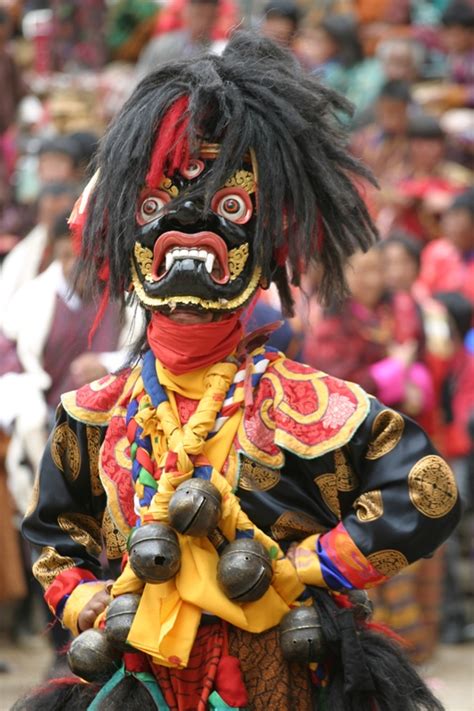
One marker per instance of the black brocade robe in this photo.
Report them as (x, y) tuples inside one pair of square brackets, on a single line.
[(315, 461)]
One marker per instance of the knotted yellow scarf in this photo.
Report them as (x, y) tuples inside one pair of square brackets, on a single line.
[(168, 616)]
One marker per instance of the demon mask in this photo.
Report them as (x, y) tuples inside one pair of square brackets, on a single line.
[(187, 254)]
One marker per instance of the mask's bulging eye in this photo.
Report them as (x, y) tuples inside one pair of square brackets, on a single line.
[(234, 204), (150, 207), (193, 169)]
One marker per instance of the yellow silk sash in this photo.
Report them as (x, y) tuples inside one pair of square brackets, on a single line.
[(168, 616)]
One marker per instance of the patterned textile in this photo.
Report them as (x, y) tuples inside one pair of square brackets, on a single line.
[(189, 689), (271, 682)]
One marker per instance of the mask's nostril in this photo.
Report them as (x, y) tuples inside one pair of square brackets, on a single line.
[(187, 213)]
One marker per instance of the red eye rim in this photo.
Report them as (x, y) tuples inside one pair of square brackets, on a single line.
[(233, 192), (190, 174), (160, 195)]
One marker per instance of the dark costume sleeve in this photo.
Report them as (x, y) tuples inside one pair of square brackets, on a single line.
[(397, 500), (65, 514)]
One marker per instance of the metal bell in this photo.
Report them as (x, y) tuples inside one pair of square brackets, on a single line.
[(301, 636), (195, 507), (363, 605), (154, 553), (92, 656), (119, 618), (245, 570)]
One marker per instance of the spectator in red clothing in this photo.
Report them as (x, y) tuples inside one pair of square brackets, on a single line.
[(430, 183), (374, 339), (402, 259), (447, 264), (458, 385), (458, 448)]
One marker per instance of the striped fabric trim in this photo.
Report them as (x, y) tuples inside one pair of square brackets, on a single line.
[(235, 394)]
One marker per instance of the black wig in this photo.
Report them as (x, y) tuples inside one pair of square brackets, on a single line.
[(255, 96)]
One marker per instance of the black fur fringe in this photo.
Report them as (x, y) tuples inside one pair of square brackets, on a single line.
[(369, 672), (75, 695)]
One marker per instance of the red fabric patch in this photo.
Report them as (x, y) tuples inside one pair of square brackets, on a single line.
[(65, 583), (185, 689), (135, 662), (119, 475), (89, 397), (171, 461), (186, 407), (295, 398), (229, 682)]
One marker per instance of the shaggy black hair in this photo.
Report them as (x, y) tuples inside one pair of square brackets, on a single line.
[(75, 695), (368, 672), (253, 96)]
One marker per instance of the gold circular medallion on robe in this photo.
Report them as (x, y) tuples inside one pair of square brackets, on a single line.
[(388, 562), (65, 450), (369, 506), (256, 477), (83, 529), (387, 431), (295, 526), (326, 484), (432, 487)]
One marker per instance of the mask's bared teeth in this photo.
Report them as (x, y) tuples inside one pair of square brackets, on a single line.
[(169, 261), (210, 263)]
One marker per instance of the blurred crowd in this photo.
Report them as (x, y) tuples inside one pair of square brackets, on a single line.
[(405, 331)]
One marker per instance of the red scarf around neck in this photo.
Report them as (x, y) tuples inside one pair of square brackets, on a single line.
[(185, 347)]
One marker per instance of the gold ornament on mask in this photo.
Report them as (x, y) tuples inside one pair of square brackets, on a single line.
[(237, 259), (217, 305), (144, 257), (242, 179), (209, 150), (168, 186)]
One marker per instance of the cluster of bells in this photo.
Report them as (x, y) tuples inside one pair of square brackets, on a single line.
[(244, 573)]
